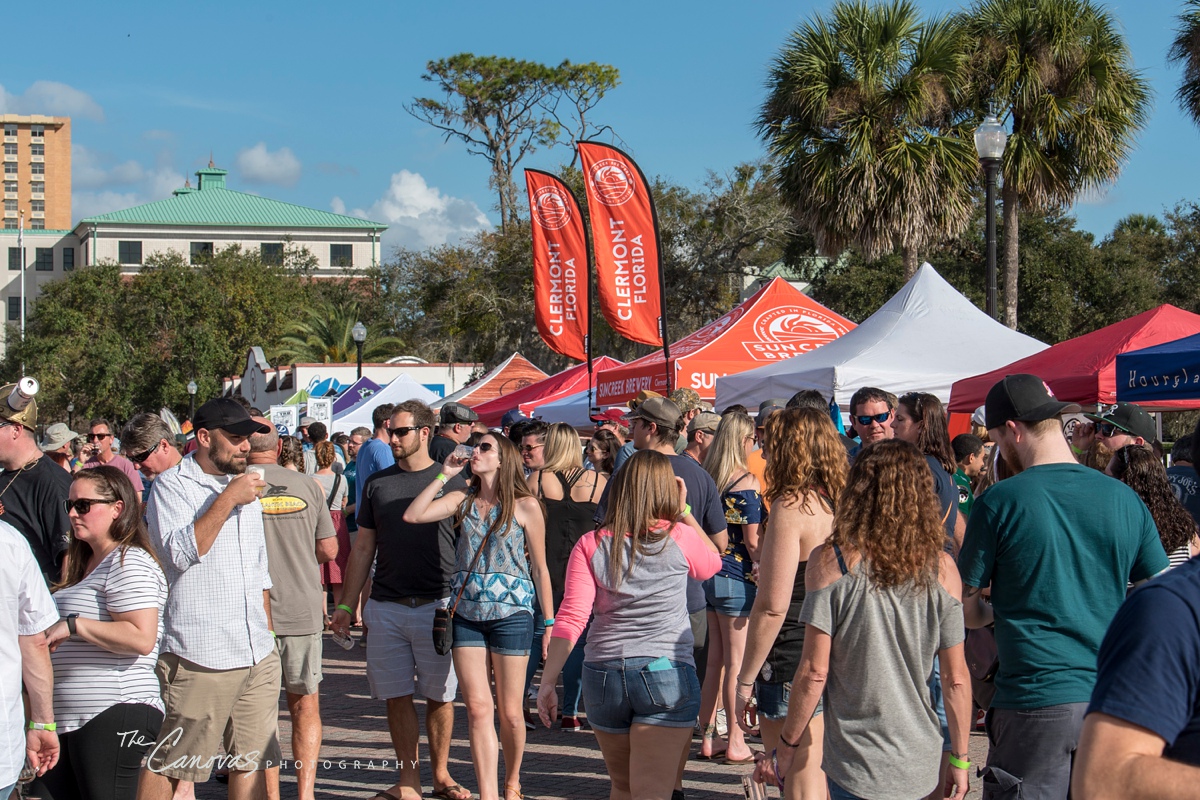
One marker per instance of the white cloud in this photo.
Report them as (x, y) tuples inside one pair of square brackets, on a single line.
[(259, 165), (51, 98), (419, 215), (102, 184)]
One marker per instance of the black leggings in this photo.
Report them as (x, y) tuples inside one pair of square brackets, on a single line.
[(101, 760)]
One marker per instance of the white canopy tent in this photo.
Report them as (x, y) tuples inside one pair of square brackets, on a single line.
[(572, 409), (922, 340), (400, 389)]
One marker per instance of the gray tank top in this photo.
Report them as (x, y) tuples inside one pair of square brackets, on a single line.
[(882, 737)]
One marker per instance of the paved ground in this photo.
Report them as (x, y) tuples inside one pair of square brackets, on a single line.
[(357, 757)]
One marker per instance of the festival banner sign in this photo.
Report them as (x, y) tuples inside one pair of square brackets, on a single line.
[(625, 240), (560, 265)]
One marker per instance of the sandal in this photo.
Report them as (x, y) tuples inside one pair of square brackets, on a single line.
[(710, 733), (452, 792), (513, 790)]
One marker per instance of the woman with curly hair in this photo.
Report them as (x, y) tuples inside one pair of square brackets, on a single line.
[(881, 601), (1140, 470), (806, 473), (291, 453)]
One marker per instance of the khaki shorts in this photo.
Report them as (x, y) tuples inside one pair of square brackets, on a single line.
[(208, 707), (301, 659)]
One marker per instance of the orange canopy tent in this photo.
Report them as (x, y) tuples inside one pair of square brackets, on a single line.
[(561, 384), (513, 373), (777, 322)]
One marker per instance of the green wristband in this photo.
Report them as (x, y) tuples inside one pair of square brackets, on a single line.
[(346, 608), (441, 476), (43, 726), (687, 509), (958, 763)]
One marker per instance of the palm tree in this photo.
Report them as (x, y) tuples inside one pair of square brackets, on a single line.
[(1063, 73), (1186, 49), (870, 147), (324, 337)]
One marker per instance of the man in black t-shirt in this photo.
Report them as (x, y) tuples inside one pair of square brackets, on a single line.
[(33, 489), (454, 428), (413, 567), (1182, 475)]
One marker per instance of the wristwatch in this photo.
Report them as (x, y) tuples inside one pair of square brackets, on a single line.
[(71, 624)]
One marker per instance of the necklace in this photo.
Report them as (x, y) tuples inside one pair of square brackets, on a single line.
[(18, 474)]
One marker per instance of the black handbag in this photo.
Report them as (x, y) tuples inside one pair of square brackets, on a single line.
[(443, 618)]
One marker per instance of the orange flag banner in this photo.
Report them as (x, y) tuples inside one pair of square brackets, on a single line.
[(560, 265), (625, 240)]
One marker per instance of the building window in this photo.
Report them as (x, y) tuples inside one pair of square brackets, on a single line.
[(37, 187), (44, 259), (10, 205), (10, 130), (10, 168), (10, 148), (14, 309), (38, 168), (37, 149), (14, 259), (68, 257), (128, 252), (37, 205), (341, 255), (10, 187), (37, 224), (37, 131), (201, 251), (271, 252)]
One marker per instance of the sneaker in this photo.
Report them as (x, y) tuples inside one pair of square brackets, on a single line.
[(722, 725), (678, 795), (574, 725)]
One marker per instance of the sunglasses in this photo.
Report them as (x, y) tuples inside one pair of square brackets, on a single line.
[(140, 458), (880, 418), (485, 447), (529, 448), (84, 504), (92, 437), (1107, 429), (405, 430)]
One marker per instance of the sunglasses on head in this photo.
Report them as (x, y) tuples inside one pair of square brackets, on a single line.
[(92, 437), (404, 430), (84, 504), (880, 418), (140, 458)]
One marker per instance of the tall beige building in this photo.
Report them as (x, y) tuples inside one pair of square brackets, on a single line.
[(37, 171)]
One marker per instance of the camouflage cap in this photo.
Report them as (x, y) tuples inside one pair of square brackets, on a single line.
[(688, 400)]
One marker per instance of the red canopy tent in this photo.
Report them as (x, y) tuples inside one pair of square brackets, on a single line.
[(1083, 370), (570, 381), (777, 322)]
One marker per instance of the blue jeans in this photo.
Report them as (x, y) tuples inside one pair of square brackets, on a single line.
[(572, 676), (506, 637), (621, 692), (535, 646), (838, 793), (5, 791)]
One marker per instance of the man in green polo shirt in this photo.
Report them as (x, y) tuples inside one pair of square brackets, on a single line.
[(1057, 543), (970, 454)]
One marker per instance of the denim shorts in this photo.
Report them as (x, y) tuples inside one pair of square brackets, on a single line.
[(621, 692), (509, 636), (729, 597), (772, 700)]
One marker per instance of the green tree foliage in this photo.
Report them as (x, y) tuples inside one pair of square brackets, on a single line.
[(1185, 50), (504, 109), (325, 336), (1062, 71), (873, 151)]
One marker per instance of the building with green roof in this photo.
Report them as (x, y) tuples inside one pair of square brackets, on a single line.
[(209, 217)]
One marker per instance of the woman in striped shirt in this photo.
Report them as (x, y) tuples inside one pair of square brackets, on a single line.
[(106, 694)]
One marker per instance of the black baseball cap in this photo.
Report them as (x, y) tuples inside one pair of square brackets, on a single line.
[(1022, 398), (227, 415), (1130, 418)]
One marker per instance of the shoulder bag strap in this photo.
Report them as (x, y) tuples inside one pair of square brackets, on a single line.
[(337, 481), (471, 568)]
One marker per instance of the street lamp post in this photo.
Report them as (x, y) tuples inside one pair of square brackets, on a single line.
[(70, 415), (359, 332), (192, 387), (990, 139)]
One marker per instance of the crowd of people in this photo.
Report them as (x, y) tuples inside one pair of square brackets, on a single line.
[(837, 612)]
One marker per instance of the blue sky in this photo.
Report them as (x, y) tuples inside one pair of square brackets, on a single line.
[(303, 102)]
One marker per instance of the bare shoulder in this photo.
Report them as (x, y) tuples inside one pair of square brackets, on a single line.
[(948, 575), (746, 483), (823, 569)]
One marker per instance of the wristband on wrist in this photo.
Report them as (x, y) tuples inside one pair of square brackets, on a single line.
[(70, 618), (273, 636), (959, 763), (548, 621), (43, 726), (687, 509), (441, 476), (346, 608), (787, 743)]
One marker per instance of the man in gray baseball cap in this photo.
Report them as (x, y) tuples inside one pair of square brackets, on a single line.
[(454, 428)]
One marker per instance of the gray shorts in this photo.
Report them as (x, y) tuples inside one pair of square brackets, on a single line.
[(1030, 751), (300, 657), (401, 660)]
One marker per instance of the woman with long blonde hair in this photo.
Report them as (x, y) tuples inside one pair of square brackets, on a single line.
[(500, 569), (881, 600), (806, 473), (639, 679), (730, 593), (569, 493)]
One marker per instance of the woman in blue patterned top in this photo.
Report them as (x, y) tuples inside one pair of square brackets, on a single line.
[(730, 593), (500, 570)]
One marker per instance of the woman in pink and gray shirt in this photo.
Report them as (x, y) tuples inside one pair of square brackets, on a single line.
[(639, 680)]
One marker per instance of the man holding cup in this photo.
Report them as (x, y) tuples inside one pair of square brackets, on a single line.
[(218, 662)]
